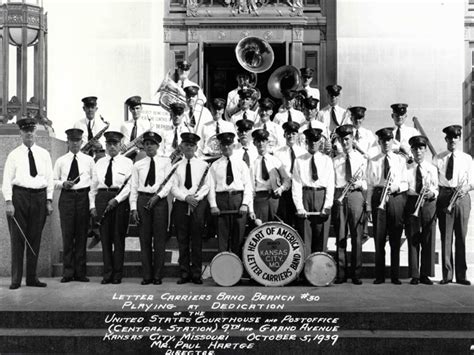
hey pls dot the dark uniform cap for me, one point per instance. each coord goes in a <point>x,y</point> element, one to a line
<point>113,136</point>
<point>245,93</point>
<point>266,103</point>
<point>74,134</point>
<point>133,101</point>
<point>453,131</point>
<point>218,104</point>
<point>90,101</point>
<point>289,94</point>
<point>244,125</point>
<point>184,65</point>
<point>313,134</point>
<point>385,134</point>
<point>418,141</point>
<point>26,123</point>
<point>399,109</point>
<point>291,127</point>
<point>188,137</point>
<point>345,130</point>
<point>311,103</point>
<point>243,74</point>
<point>306,72</point>
<point>177,108</point>
<point>260,135</point>
<point>334,90</point>
<point>152,136</point>
<point>191,90</point>
<point>358,111</point>
<point>226,138</point>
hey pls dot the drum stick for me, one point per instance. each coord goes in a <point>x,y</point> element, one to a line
<point>310,214</point>
<point>24,236</point>
<point>77,178</point>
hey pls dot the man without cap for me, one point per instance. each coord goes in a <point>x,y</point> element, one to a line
<point>364,140</point>
<point>286,112</point>
<point>421,229</point>
<point>307,75</point>
<point>233,98</point>
<point>190,186</point>
<point>230,189</point>
<point>348,211</point>
<point>172,138</point>
<point>198,114</point>
<point>246,149</point>
<point>28,191</point>
<point>288,154</point>
<point>181,77</point>
<point>91,125</point>
<point>455,171</point>
<point>334,115</point>
<point>313,192</point>
<point>387,215</point>
<point>109,205</point>
<point>265,112</point>
<point>402,133</point>
<point>73,176</point>
<point>149,207</point>
<point>247,101</point>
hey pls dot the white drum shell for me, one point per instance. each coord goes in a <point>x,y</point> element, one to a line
<point>320,269</point>
<point>226,269</point>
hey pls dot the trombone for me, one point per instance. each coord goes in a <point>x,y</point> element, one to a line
<point>385,191</point>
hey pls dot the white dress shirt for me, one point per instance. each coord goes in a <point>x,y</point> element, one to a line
<point>343,116</point>
<point>273,164</point>
<point>251,150</point>
<point>187,82</point>
<point>462,168</point>
<point>302,177</point>
<point>429,174</point>
<point>357,162</point>
<point>232,105</point>
<point>97,124</point>
<point>139,174</point>
<point>251,115</point>
<point>282,117</point>
<point>17,171</point>
<point>406,133</point>
<point>314,123</point>
<point>198,167</point>
<point>209,130</point>
<point>62,166</point>
<point>367,141</point>
<point>275,130</point>
<point>284,155</point>
<point>312,92</point>
<point>121,171</point>
<point>201,119</point>
<point>166,145</point>
<point>126,128</point>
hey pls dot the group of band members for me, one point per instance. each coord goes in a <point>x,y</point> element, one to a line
<point>300,167</point>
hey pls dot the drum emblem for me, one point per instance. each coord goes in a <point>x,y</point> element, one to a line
<point>274,252</point>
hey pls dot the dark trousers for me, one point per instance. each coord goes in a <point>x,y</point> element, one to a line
<point>30,212</point>
<point>113,231</point>
<point>153,232</point>
<point>421,235</point>
<point>189,230</point>
<point>312,228</point>
<point>265,206</point>
<point>287,209</point>
<point>349,217</point>
<point>388,221</point>
<point>449,224</point>
<point>74,215</point>
<point>230,228</point>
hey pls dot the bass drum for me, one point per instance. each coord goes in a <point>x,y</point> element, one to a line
<point>320,269</point>
<point>226,269</point>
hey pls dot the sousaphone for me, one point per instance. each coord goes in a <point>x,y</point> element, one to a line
<point>254,54</point>
<point>286,77</point>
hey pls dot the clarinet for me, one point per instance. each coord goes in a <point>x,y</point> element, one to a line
<point>200,185</point>
<point>149,206</point>
<point>119,191</point>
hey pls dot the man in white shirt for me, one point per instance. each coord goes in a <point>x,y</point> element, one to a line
<point>247,100</point>
<point>198,114</point>
<point>181,77</point>
<point>307,75</point>
<point>28,191</point>
<point>286,112</point>
<point>246,150</point>
<point>73,175</point>
<point>109,194</point>
<point>233,98</point>
<point>364,140</point>
<point>265,112</point>
<point>91,125</point>
<point>401,132</point>
<point>334,115</point>
<point>172,138</point>
<point>312,121</point>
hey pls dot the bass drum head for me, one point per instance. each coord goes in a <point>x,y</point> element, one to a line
<point>226,269</point>
<point>320,269</point>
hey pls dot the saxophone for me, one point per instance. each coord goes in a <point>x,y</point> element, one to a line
<point>126,149</point>
<point>89,146</point>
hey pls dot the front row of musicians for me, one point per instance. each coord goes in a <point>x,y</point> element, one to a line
<point>239,188</point>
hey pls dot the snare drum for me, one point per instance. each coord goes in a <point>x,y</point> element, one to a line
<point>320,269</point>
<point>226,269</point>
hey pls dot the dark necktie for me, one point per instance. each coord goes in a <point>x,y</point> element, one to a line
<point>134,131</point>
<point>229,175</point>
<point>108,175</point>
<point>175,138</point>
<point>188,182</point>
<point>398,135</point>
<point>89,130</point>
<point>265,126</point>
<point>386,167</point>
<point>150,178</point>
<point>289,116</point>
<point>246,157</point>
<point>245,115</point>
<point>73,170</point>
<point>357,137</point>
<point>192,121</point>
<point>333,116</point>
<point>450,167</point>
<point>31,160</point>
<point>293,157</point>
<point>314,170</point>
<point>265,175</point>
<point>419,179</point>
<point>348,169</point>
<point>217,128</point>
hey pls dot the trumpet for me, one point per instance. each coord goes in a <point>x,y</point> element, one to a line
<point>456,195</point>
<point>385,191</point>
<point>350,184</point>
<point>420,201</point>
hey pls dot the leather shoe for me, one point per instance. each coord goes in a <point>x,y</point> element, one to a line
<point>14,286</point>
<point>81,279</point>
<point>396,282</point>
<point>414,281</point>
<point>340,280</point>
<point>356,281</point>
<point>146,282</point>
<point>197,281</point>
<point>444,282</point>
<point>379,281</point>
<point>36,283</point>
<point>66,279</point>
<point>463,282</point>
<point>105,281</point>
<point>157,282</point>
<point>116,281</point>
<point>425,280</point>
<point>182,280</point>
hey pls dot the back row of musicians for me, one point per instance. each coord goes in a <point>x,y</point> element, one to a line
<point>267,169</point>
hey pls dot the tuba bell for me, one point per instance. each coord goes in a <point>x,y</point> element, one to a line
<point>170,92</point>
<point>254,54</point>
<point>286,77</point>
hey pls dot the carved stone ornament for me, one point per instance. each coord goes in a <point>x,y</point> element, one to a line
<point>297,34</point>
<point>166,35</point>
<point>244,34</point>
<point>192,35</point>
<point>221,35</point>
<point>192,8</point>
<point>296,7</point>
<point>268,35</point>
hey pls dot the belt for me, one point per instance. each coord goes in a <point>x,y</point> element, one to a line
<point>230,192</point>
<point>448,189</point>
<point>353,190</point>
<point>150,194</point>
<point>77,191</point>
<point>263,192</point>
<point>392,194</point>
<point>109,189</point>
<point>16,187</point>
<point>310,188</point>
